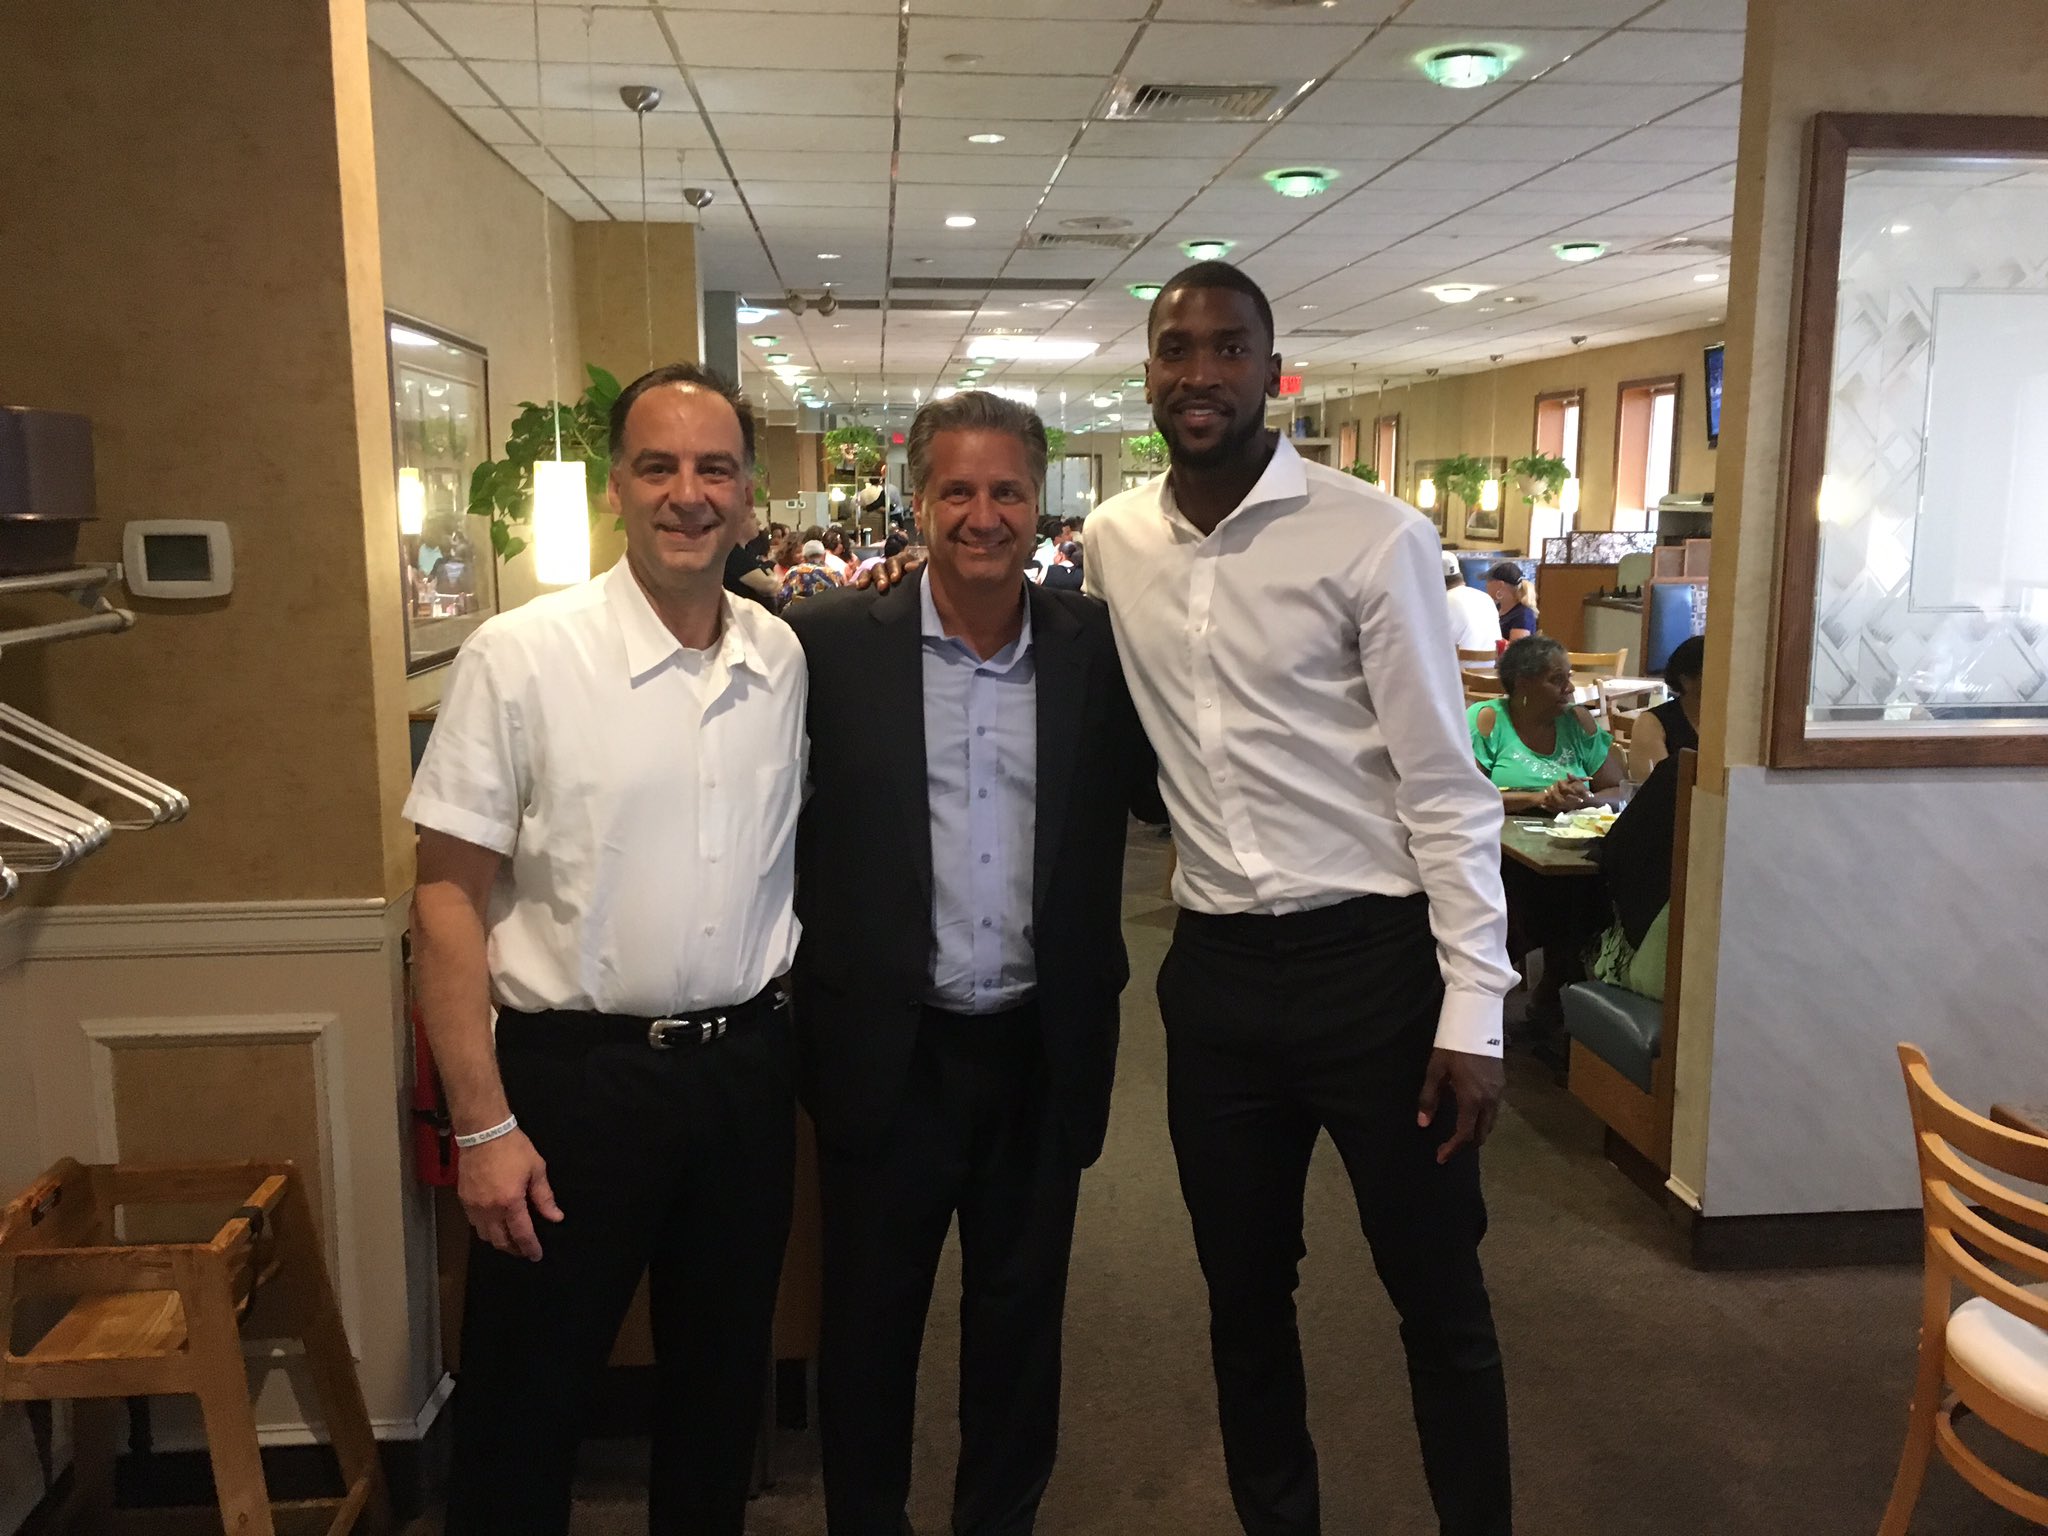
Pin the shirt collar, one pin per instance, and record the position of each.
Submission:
(932, 627)
(650, 643)
(1284, 479)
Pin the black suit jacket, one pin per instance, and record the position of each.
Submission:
(864, 858)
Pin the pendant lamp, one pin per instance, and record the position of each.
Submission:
(412, 503)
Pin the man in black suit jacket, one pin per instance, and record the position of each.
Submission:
(956, 985)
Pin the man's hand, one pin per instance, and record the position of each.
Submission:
(1475, 1082)
(497, 1181)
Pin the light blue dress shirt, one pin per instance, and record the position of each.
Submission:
(981, 773)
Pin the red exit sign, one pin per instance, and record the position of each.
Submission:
(896, 438)
(1290, 383)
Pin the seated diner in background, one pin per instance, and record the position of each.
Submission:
(1541, 750)
(1673, 725)
(1514, 599)
(1475, 622)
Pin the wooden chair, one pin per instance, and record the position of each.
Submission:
(95, 1319)
(1990, 1353)
(1481, 690)
(1477, 660)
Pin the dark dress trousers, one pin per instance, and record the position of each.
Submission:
(923, 1114)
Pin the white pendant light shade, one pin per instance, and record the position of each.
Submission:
(412, 503)
(1425, 493)
(1489, 496)
(561, 524)
(1568, 497)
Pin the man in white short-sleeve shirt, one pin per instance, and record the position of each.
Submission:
(1340, 958)
(607, 809)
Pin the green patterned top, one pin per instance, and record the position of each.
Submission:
(1511, 764)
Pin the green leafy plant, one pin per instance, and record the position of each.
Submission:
(1148, 450)
(1541, 477)
(502, 489)
(866, 444)
(1055, 442)
(1365, 472)
(1463, 476)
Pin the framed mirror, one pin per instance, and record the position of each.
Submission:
(1913, 587)
(440, 431)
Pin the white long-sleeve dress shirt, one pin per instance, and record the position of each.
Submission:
(1295, 672)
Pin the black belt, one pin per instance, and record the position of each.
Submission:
(565, 1027)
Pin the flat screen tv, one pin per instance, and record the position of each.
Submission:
(1714, 396)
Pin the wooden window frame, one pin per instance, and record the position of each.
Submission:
(1560, 397)
(1834, 136)
(1676, 383)
(1389, 474)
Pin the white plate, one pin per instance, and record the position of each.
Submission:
(1574, 834)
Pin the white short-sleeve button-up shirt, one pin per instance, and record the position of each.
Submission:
(644, 796)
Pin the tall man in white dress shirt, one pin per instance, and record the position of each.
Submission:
(607, 812)
(1339, 961)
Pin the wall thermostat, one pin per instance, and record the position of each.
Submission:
(178, 558)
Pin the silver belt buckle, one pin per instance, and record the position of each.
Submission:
(657, 1033)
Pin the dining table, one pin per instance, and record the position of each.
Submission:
(1523, 839)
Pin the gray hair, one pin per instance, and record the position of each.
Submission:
(975, 410)
(1530, 656)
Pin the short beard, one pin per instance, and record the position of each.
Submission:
(1228, 448)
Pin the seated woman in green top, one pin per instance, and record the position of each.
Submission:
(1543, 752)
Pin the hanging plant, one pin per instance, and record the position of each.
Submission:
(1463, 477)
(1148, 450)
(1365, 472)
(855, 450)
(502, 489)
(1055, 443)
(1540, 477)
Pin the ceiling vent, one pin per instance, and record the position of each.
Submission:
(1691, 245)
(1148, 101)
(1059, 240)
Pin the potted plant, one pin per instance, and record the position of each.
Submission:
(855, 451)
(1365, 472)
(1148, 450)
(1463, 477)
(1055, 443)
(1540, 477)
(502, 489)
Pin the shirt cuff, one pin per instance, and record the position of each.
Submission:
(422, 811)
(1470, 1022)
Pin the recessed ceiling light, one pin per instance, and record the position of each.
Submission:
(959, 221)
(963, 59)
(1300, 181)
(1102, 402)
(776, 357)
(1464, 69)
(1579, 250)
(922, 261)
(765, 341)
(828, 255)
(1113, 416)
(1145, 291)
(1422, 327)
(1706, 277)
(1457, 293)
(753, 314)
(986, 138)
(1134, 383)
(1311, 306)
(1206, 250)
(1486, 309)
(1510, 299)
(1898, 229)
(838, 325)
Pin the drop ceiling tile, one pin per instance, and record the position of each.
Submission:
(768, 40)
(493, 126)
(1035, 98)
(1698, 15)
(450, 81)
(1483, 14)
(1381, 103)
(1480, 178)
(755, 165)
(982, 201)
(1352, 13)
(1545, 104)
(587, 160)
(815, 92)
(817, 194)
(948, 136)
(793, 133)
(484, 31)
(529, 160)
(1125, 171)
(1671, 146)
(611, 126)
(1057, 47)
(1395, 53)
(1723, 109)
(1650, 58)
(1479, 141)
(971, 170)
(1194, 51)
(1067, 200)
(659, 189)
(398, 33)
(1620, 179)
(572, 87)
(1107, 139)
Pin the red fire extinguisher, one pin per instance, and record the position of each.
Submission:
(433, 1132)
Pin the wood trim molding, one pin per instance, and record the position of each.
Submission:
(206, 928)
(13, 938)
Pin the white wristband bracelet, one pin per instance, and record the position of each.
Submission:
(504, 1128)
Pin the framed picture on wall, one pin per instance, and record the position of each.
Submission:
(1347, 445)
(1913, 585)
(440, 431)
(1483, 526)
(1434, 496)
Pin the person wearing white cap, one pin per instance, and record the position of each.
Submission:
(1475, 624)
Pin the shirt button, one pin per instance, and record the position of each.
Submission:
(713, 858)
(710, 929)
(988, 922)
(711, 783)
(981, 794)
(984, 858)
(1206, 703)
(981, 730)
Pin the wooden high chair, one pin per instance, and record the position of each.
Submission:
(92, 1318)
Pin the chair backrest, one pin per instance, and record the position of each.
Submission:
(1488, 658)
(1481, 690)
(1956, 1195)
(1599, 663)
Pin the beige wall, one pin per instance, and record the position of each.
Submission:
(201, 279)
(1801, 1058)
(462, 251)
(1443, 417)
(613, 288)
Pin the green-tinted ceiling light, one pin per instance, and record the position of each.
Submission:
(776, 357)
(1134, 383)
(766, 341)
(1464, 69)
(1579, 250)
(1300, 181)
(1146, 291)
(1206, 250)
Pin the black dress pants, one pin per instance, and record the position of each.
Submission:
(976, 1135)
(1278, 1028)
(674, 1163)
